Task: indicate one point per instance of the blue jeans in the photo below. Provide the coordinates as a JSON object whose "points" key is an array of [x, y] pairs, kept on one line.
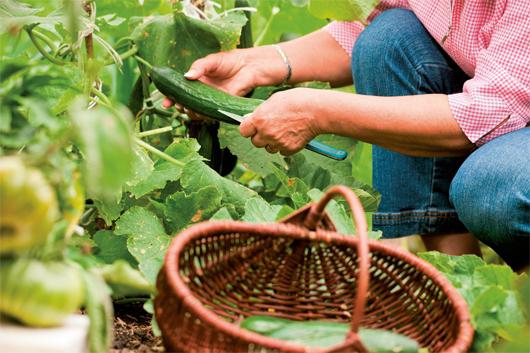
{"points": [[487, 193]]}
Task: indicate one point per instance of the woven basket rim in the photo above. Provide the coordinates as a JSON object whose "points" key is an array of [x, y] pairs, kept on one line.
{"points": [[180, 288]]}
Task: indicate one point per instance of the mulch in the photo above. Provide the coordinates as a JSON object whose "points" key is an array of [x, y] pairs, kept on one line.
{"points": [[132, 330]]}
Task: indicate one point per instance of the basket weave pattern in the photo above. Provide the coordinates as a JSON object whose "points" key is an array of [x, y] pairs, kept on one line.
{"points": [[217, 273]]}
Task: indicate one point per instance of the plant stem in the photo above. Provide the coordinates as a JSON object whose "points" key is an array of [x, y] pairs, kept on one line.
{"points": [[100, 95], [89, 40], [41, 49], [154, 132], [159, 153], [258, 40], [125, 55], [45, 39], [149, 66]]}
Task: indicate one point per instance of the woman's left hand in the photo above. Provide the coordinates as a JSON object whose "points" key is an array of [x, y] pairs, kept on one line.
{"points": [[285, 122]]}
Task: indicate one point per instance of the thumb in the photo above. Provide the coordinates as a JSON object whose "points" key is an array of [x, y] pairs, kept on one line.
{"points": [[202, 66]]}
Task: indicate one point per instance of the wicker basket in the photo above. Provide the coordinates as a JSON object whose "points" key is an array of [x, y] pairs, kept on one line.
{"points": [[216, 273]]}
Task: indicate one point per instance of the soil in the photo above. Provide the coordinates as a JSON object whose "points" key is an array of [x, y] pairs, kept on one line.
{"points": [[132, 330]]}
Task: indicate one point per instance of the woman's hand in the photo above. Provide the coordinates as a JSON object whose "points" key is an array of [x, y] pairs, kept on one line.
{"points": [[236, 72], [285, 122]]}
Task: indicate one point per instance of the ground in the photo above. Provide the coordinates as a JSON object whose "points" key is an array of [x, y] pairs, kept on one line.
{"points": [[132, 331]]}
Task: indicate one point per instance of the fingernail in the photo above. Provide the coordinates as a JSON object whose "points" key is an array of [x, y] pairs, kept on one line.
{"points": [[191, 73]]}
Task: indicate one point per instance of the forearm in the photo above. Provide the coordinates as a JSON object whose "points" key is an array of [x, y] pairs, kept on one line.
{"points": [[420, 125], [313, 57]]}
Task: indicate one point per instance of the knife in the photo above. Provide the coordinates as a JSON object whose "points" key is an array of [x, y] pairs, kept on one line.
{"points": [[313, 145]]}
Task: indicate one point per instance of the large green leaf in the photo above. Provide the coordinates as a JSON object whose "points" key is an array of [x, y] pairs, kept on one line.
{"points": [[177, 41], [343, 10], [147, 240], [257, 159], [198, 175], [182, 210], [112, 247], [106, 142], [183, 150], [277, 17], [259, 211], [490, 292]]}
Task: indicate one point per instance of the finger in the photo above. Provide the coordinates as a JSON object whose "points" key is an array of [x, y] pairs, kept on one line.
{"points": [[247, 128], [271, 149], [258, 141], [286, 152], [167, 103], [203, 66]]}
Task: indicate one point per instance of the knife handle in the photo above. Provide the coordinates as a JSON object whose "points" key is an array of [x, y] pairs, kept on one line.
{"points": [[325, 150]]}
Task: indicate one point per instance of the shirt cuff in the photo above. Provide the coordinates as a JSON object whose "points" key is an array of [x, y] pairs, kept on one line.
{"points": [[485, 120], [345, 33]]}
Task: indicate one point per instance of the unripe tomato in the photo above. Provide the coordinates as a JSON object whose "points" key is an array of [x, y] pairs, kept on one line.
{"points": [[28, 206], [39, 293]]}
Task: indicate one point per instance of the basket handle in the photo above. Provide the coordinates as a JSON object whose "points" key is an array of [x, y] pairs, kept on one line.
{"points": [[363, 277]]}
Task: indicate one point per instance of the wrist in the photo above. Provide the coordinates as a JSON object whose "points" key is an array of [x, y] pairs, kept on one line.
{"points": [[268, 65]]}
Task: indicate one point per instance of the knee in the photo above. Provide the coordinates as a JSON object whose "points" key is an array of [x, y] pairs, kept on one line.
{"points": [[383, 47], [492, 203]]}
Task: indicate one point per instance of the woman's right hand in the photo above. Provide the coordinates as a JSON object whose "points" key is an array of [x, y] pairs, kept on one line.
{"points": [[239, 71]]}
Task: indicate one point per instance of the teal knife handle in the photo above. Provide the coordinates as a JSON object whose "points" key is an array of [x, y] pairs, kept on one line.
{"points": [[325, 150]]}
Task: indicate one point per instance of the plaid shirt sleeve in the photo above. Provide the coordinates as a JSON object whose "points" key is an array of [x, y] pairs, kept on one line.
{"points": [[497, 99], [346, 33]]}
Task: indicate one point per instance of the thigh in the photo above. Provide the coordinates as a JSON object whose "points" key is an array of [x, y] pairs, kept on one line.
{"points": [[391, 62], [491, 194]]}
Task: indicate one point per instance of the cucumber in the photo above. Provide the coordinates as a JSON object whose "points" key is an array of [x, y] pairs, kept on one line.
{"points": [[199, 97], [324, 334], [245, 41]]}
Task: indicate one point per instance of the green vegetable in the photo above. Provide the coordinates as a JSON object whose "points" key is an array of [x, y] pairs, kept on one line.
{"points": [[245, 41], [219, 159], [39, 293], [125, 281], [28, 206], [200, 97], [323, 334]]}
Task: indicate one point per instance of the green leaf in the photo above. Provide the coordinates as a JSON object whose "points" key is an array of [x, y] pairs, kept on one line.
{"points": [[112, 247], [147, 240], [222, 214], [142, 167], [177, 41], [343, 10], [339, 215], [149, 251], [276, 17], [256, 159], [197, 175], [183, 150], [294, 188], [258, 210], [182, 210], [489, 291], [138, 220], [106, 143], [108, 209]]}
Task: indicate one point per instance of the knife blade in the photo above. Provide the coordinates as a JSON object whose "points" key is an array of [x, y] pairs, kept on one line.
{"points": [[313, 145]]}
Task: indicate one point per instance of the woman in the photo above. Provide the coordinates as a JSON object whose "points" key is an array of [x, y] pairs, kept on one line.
{"points": [[443, 93]]}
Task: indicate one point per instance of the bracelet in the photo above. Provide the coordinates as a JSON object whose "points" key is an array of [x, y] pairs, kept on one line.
{"points": [[286, 62]]}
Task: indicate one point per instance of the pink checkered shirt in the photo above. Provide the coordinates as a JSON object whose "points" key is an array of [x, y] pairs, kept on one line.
{"points": [[490, 41]]}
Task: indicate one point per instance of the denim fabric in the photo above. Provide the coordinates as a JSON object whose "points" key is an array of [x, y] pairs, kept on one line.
{"points": [[395, 56], [491, 194]]}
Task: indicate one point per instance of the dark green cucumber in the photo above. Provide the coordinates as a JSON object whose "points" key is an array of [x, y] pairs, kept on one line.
{"points": [[245, 41], [199, 97]]}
